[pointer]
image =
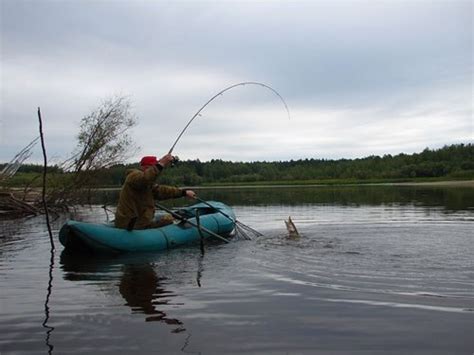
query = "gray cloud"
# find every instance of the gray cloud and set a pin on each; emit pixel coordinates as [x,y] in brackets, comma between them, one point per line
[360,77]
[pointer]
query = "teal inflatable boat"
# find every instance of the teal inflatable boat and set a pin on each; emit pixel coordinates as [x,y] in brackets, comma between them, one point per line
[105,238]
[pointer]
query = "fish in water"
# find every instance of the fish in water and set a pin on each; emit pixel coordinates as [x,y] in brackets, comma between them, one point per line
[291,228]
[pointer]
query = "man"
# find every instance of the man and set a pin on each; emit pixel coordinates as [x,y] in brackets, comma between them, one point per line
[136,207]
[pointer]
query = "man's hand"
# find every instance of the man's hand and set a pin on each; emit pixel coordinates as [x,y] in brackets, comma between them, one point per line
[166,160]
[190,194]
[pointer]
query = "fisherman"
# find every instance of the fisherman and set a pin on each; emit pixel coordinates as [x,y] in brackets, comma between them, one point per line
[136,206]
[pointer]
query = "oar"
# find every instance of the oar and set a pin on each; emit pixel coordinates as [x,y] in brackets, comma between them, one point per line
[201,234]
[181,218]
[226,215]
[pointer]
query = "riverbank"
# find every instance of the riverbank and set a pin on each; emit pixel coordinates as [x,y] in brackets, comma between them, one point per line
[288,184]
[446,183]
[33,192]
[463,183]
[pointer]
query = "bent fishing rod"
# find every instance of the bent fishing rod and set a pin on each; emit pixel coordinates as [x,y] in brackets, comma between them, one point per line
[221,93]
[198,113]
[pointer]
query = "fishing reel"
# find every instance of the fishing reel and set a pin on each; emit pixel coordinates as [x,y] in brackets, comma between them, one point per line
[175,161]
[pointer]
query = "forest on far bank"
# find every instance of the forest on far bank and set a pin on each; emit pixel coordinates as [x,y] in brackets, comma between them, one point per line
[450,162]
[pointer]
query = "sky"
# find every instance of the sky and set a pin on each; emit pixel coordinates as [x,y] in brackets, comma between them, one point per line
[360,77]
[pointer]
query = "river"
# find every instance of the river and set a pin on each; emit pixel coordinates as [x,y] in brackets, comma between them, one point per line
[378,269]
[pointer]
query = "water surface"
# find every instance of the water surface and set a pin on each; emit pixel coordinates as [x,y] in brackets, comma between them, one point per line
[376,270]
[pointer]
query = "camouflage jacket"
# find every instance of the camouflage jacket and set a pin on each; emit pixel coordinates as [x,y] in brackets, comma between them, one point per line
[137,198]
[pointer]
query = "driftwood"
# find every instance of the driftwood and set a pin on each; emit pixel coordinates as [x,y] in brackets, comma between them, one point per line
[11,206]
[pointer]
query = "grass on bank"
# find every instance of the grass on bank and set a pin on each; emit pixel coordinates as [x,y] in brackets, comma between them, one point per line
[330,182]
[33,180]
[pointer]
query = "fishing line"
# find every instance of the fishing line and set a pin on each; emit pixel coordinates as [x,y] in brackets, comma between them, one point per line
[222,92]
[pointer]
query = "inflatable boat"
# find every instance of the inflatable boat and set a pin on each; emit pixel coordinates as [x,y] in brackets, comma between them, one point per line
[214,216]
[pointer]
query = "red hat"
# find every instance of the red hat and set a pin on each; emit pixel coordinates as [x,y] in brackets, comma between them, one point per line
[148,160]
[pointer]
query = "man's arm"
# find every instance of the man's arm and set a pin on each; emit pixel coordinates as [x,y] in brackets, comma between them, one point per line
[164,192]
[141,178]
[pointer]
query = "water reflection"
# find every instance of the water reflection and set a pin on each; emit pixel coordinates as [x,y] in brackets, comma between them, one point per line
[143,290]
[49,290]
[451,198]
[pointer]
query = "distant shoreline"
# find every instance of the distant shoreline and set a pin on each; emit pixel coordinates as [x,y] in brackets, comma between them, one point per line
[453,183]
[447,183]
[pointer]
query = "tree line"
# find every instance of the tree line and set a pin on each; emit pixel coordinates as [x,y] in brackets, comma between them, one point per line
[454,161]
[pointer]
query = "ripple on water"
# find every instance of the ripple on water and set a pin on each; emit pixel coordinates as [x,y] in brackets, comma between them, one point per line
[377,260]
[410,260]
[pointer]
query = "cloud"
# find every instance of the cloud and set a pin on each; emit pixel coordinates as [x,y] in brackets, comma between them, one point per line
[360,77]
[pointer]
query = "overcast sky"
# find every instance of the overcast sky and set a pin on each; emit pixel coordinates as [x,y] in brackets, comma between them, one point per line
[360,77]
